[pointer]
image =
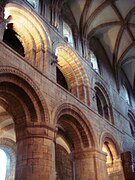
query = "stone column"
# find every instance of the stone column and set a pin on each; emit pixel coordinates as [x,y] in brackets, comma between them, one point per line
[90,165]
[35,154]
[127,165]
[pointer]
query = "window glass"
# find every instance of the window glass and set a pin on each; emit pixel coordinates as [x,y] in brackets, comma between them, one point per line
[3,163]
[126,95]
[93,60]
[67,34]
[34,3]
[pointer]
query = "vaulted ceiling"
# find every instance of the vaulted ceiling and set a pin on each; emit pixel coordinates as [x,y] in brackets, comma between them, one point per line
[113,23]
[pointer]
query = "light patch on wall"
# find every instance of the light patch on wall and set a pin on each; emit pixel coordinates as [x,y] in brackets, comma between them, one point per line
[3,163]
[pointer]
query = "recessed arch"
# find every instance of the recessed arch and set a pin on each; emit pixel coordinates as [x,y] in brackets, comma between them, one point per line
[20,89]
[105,136]
[131,118]
[73,124]
[72,68]
[101,93]
[113,158]
[33,34]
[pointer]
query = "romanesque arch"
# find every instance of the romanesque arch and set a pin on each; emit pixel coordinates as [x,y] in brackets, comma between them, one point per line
[77,120]
[31,32]
[131,118]
[76,137]
[113,156]
[104,104]
[72,68]
[22,99]
[18,89]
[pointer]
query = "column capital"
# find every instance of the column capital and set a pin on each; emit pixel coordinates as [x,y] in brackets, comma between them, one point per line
[89,153]
[36,131]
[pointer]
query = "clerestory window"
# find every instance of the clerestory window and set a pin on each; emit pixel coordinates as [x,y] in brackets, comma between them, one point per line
[126,95]
[67,34]
[34,3]
[94,62]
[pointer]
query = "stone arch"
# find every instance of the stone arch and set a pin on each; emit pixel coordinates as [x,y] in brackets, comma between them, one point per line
[34,36]
[103,95]
[27,102]
[109,137]
[9,147]
[75,125]
[113,157]
[72,68]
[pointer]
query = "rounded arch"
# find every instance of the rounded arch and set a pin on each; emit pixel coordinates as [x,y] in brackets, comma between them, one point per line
[71,67]
[32,33]
[107,137]
[103,95]
[110,146]
[21,97]
[74,124]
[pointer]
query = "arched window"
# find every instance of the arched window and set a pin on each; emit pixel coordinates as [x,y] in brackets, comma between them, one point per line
[99,105]
[67,34]
[126,95]
[34,3]
[94,62]
[3,164]
[102,105]
[131,124]
[113,160]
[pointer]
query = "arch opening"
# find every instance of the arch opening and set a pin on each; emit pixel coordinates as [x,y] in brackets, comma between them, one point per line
[76,135]
[113,159]
[24,100]
[131,119]
[34,37]
[63,159]
[72,69]
[7,143]
[11,39]
[104,106]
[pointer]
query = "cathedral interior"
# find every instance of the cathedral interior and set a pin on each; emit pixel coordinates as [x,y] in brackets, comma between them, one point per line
[67,89]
